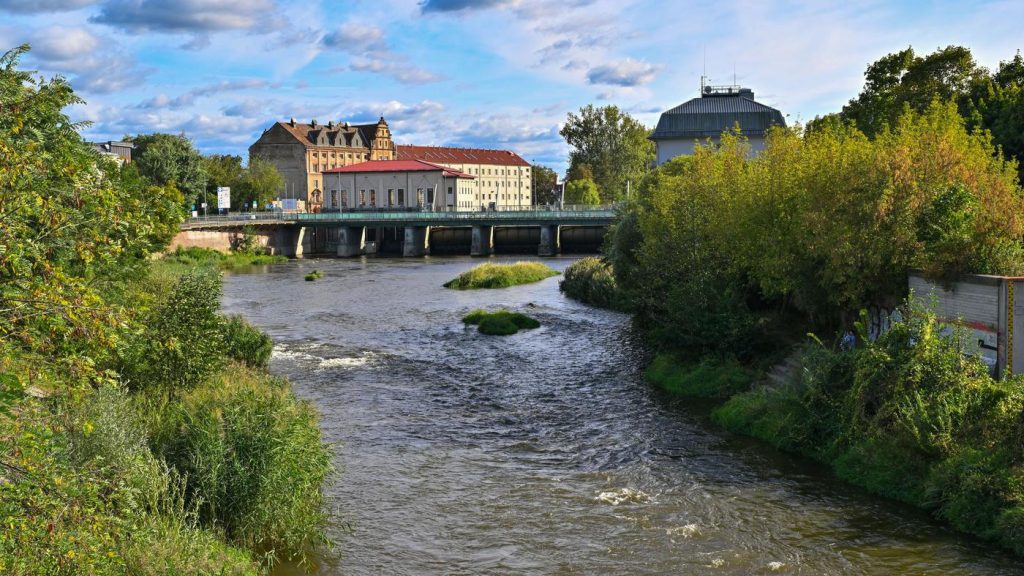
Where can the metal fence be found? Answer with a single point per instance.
(510, 214)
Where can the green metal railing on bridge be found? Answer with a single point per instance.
(569, 215)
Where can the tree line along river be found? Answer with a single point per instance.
(546, 452)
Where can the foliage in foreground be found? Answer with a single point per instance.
(98, 344)
(910, 417)
(500, 322)
(252, 460)
(591, 281)
(501, 275)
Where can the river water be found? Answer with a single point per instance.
(546, 452)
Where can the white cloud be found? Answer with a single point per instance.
(627, 72)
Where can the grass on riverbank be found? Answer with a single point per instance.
(909, 417)
(193, 256)
(500, 323)
(501, 275)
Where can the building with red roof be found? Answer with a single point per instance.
(395, 184)
(503, 178)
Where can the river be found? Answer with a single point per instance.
(546, 452)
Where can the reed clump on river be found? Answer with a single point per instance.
(500, 322)
(501, 275)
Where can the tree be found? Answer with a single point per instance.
(905, 79)
(614, 145)
(580, 192)
(222, 170)
(261, 183)
(171, 159)
(69, 220)
(545, 185)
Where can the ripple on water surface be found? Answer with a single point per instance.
(545, 452)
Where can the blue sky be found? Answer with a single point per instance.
(484, 73)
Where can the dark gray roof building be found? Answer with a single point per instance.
(717, 110)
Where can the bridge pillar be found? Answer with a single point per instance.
(483, 241)
(291, 241)
(350, 240)
(416, 241)
(549, 240)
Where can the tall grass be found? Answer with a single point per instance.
(194, 256)
(253, 460)
(501, 275)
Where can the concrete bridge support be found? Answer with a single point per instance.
(549, 241)
(351, 240)
(483, 241)
(292, 241)
(416, 241)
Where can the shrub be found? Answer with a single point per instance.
(314, 275)
(500, 323)
(591, 281)
(245, 343)
(253, 460)
(183, 341)
(501, 275)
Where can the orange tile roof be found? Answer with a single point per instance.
(446, 155)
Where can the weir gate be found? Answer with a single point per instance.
(408, 233)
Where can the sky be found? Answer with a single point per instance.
(477, 73)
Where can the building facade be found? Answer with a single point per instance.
(502, 178)
(718, 109)
(120, 151)
(302, 153)
(397, 184)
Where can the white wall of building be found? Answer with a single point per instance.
(396, 190)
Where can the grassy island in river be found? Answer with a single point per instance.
(501, 322)
(501, 275)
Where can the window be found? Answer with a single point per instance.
(449, 190)
(401, 196)
(362, 197)
(373, 197)
(391, 196)
(334, 198)
(344, 198)
(419, 196)
(430, 195)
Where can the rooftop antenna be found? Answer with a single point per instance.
(704, 74)
(734, 73)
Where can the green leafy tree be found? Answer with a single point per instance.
(260, 183)
(167, 159)
(68, 219)
(579, 192)
(906, 79)
(222, 170)
(613, 144)
(545, 185)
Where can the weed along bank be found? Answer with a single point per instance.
(990, 307)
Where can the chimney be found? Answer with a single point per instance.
(313, 122)
(292, 122)
(330, 125)
(747, 93)
(346, 125)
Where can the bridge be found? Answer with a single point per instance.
(356, 232)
